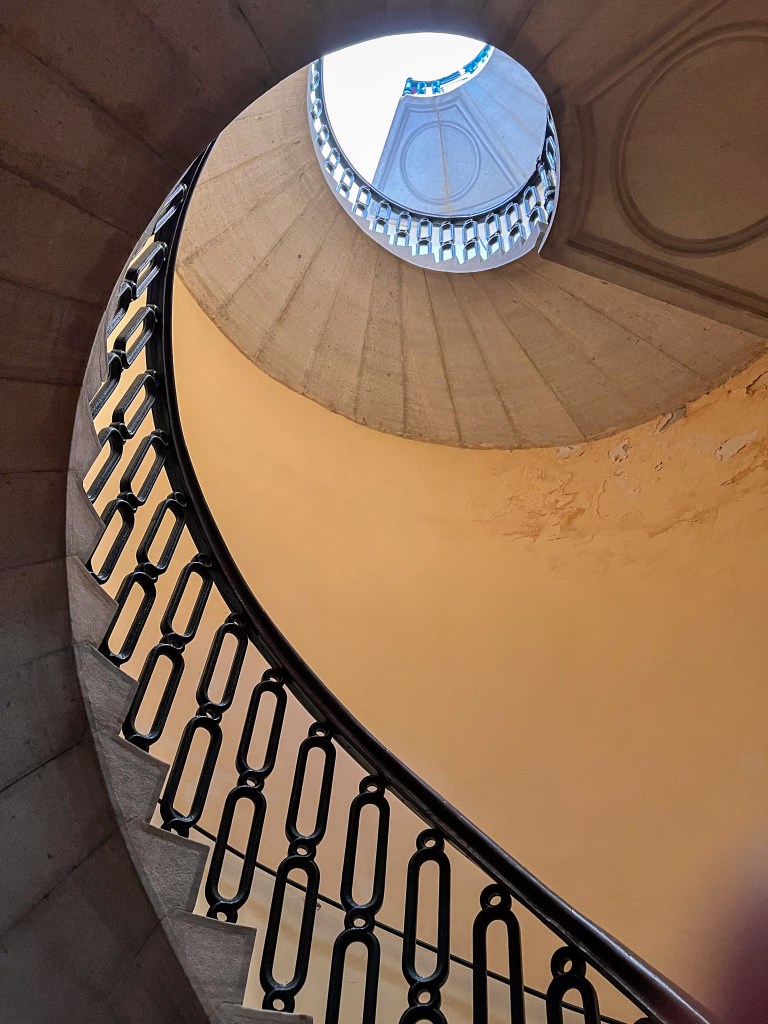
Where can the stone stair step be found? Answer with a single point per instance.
(134, 779)
(171, 867)
(215, 955)
(107, 690)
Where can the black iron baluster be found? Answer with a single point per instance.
(166, 652)
(360, 918)
(569, 971)
(125, 507)
(118, 506)
(302, 849)
(145, 576)
(149, 265)
(112, 443)
(496, 904)
(131, 340)
(424, 990)
(209, 712)
(147, 572)
(140, 580)
(250, 787)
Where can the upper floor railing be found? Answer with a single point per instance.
(438, 86)
(318, 833)
(489, 238)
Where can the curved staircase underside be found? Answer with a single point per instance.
(531, 354)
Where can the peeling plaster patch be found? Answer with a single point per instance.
(758, 384)
(565, 451)
(734, 445)
(673, 417)
(619, 452)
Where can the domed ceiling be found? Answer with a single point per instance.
(529, 354)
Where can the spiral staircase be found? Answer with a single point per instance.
(110, 108)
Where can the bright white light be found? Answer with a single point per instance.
(363, 84)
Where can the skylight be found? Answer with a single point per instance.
(443, 148)
(363, 85)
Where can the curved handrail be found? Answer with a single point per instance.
(491, 237)
(658, 997)
(149, 329)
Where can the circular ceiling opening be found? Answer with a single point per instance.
(441, 147)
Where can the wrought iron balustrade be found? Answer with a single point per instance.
(489, 238)
(189, 628)
(438, 86)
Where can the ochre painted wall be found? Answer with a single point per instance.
(569, 645)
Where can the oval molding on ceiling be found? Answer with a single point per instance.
(667, 116)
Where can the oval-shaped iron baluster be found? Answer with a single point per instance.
(403, 228)
(232, 627)
(146, 382)
(173, 820)
(112, 379)
(249, 786)
(175, 505)
(530, 200)
(547, 180)
(318, 739)
(424, 237)
(381, 220)
(156, 444)
(372, 794)
(323, 136)
(200, 566)
(447, 236)
(282, 995)
(534, 205)
(134, 335)
(302, 848)
(122, 304)
(550, 153)
(430, 847)
(569, 975)
(492, 230)
(517, 226)
(359, 918)
(171, 206)
(496, 904)
(346, 182)
(130, 730)
(362, 202)
(271, 682)
(146, 583)
(110, 436)
(119, 506)
(229, 905)
(145, 268)
(349, 937)
(470, 240)
(333, 161)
